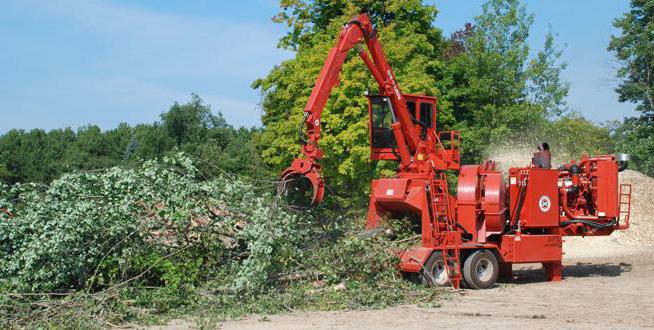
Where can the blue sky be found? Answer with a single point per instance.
(77, 62)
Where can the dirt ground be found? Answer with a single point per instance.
(598, 293)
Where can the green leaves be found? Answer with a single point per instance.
(215, 146)
(413, 47)
(489, 84)
(154, 240)
(191, 122)
(494, 88)
(633, 48)
(98, 229)
(636, 137)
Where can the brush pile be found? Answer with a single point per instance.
(135, 244)
(100, 229)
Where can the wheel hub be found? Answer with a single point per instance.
(484, 270)
(439, 273)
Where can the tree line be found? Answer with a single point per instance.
(215, 146)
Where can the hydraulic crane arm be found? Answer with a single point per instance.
(357, 30)
(354, 32)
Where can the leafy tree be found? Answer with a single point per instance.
(545, 86)
(635, 137)
(488, 85)
(413, 46)
(152, 141)
(573, 135)
(634, 49)
(6, 175)
(92, 150)
(191, 122)
(494, 90)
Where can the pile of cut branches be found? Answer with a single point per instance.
(147, 243)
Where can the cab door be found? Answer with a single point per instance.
(382, 139)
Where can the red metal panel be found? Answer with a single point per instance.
(541, 205)
(412, 260)
(390, 189)
(531, 248)
(494, 202)
(468, 200)
(607, 189)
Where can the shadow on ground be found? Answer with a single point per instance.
(534, 273)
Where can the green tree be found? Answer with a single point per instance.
(40, 156)
(92, 150)
(5, 174)
(573, 136)
(495, 89)
(546, 87)
(413, 46)
(489, 84)
(152, 141)
(635, 137)
(190, 122)
(634, 49)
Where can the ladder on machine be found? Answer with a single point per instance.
(444, 229)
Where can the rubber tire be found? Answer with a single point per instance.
(470, 269)
(435, 257)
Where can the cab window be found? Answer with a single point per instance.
(382, 119)
(412, 108)
(381, 114)
(426, 113)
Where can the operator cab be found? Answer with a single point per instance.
(382, 141)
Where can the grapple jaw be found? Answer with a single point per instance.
(301, 183)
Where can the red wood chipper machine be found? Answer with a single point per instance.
(472, 238)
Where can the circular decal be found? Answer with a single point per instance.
(544, 203)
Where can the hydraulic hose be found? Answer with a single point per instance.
(465, 232)
(593, 224)
(300, 133)
(521, 197)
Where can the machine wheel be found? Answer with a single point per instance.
(434, 272)
(480, 270)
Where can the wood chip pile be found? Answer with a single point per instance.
(636, 239)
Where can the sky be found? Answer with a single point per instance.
(69, 63)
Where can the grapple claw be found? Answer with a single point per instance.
(301, 184)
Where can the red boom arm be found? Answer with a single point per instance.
(354, 32)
